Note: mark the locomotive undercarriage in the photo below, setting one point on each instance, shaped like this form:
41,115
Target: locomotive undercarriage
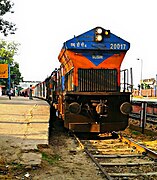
96,112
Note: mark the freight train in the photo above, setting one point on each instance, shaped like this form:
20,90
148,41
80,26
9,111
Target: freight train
85,91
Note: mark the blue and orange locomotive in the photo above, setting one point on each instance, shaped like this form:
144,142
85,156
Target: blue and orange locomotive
85,90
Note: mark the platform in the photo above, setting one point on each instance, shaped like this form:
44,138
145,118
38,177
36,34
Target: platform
24,124
145,99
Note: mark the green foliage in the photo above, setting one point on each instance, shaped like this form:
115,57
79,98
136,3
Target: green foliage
6,27
146,86
7,52
15,74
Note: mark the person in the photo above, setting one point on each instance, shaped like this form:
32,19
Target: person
10,93
30,92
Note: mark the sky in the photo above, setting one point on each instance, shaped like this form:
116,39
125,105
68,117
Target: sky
43,27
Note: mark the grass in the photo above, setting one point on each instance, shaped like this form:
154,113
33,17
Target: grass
16,166
136,133
51,159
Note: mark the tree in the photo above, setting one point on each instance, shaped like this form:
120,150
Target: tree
6,27
7,52
15,74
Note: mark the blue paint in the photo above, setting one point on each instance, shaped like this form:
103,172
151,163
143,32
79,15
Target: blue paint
86,41
63,84
96,59
9,78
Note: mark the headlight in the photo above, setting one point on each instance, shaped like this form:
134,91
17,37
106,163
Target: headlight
98,38
98,31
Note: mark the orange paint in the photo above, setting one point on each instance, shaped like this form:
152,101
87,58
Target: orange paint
70,59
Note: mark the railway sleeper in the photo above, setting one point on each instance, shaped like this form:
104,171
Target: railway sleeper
118,156
132,174
128,164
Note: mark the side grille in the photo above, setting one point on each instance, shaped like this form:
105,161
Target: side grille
97,80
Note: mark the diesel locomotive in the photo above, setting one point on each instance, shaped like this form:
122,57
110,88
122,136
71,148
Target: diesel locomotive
85,91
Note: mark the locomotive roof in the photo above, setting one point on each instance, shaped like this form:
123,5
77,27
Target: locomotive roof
97,38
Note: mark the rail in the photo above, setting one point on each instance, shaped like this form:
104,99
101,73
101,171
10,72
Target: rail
103,154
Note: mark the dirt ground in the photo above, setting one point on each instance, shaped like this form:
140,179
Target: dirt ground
62,159
24,121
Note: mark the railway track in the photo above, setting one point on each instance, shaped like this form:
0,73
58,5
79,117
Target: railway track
150,125
150,111
152,119
121,158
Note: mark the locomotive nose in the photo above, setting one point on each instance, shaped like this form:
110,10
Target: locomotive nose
126,108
